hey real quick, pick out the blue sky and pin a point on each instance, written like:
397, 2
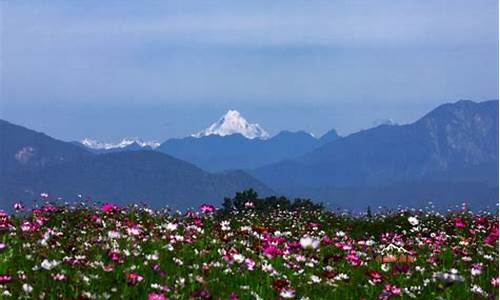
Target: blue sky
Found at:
160, 69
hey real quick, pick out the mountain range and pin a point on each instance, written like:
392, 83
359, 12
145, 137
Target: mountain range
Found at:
32, 163
448, 156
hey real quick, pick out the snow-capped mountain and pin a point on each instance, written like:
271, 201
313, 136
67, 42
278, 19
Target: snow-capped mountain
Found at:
231, 123
98, 145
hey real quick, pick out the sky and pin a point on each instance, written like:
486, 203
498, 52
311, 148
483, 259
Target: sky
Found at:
162, 69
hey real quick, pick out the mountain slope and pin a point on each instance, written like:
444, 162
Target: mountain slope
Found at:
127, 177
216, 153
438, 147
25, 149
32, 163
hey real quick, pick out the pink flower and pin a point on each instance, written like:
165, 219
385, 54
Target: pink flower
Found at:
108, 207
494, 281
249, 204
58, 276
353, 258
26, 226
392, 289
207, 208
18, 206
249, 263
198, 222
374, 276
156, 296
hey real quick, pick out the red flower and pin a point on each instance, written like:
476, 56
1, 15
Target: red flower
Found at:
492, 236
459, 223
133, 278
374, 276
114, 255
279, 284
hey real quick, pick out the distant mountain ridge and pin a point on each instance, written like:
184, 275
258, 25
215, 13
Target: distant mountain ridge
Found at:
33, 162
448, 145
217, 153
126, 144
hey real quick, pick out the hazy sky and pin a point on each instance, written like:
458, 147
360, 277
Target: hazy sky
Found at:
159, 69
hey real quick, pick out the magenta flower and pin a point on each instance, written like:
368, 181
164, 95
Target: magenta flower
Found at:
459, 223
353, 258
156, 296
5, 278
271, 251
108, 207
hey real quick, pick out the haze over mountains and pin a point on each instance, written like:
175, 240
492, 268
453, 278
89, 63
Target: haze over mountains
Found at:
448, 156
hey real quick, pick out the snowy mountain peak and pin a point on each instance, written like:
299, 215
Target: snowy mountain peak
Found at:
97, 145
232, 123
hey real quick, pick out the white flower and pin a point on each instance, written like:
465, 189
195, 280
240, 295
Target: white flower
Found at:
225, 225
451, 276
476, 289
413, 221
49, 264
267, 268
315, 279
27, 288
113, 234
133, 231
308, 242
246, 228
385, 267
171, 226
287, 293
238, 258
370, 243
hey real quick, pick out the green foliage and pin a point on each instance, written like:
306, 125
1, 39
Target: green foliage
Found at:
249, 199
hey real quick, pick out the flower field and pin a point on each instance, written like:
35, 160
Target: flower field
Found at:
109, 252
